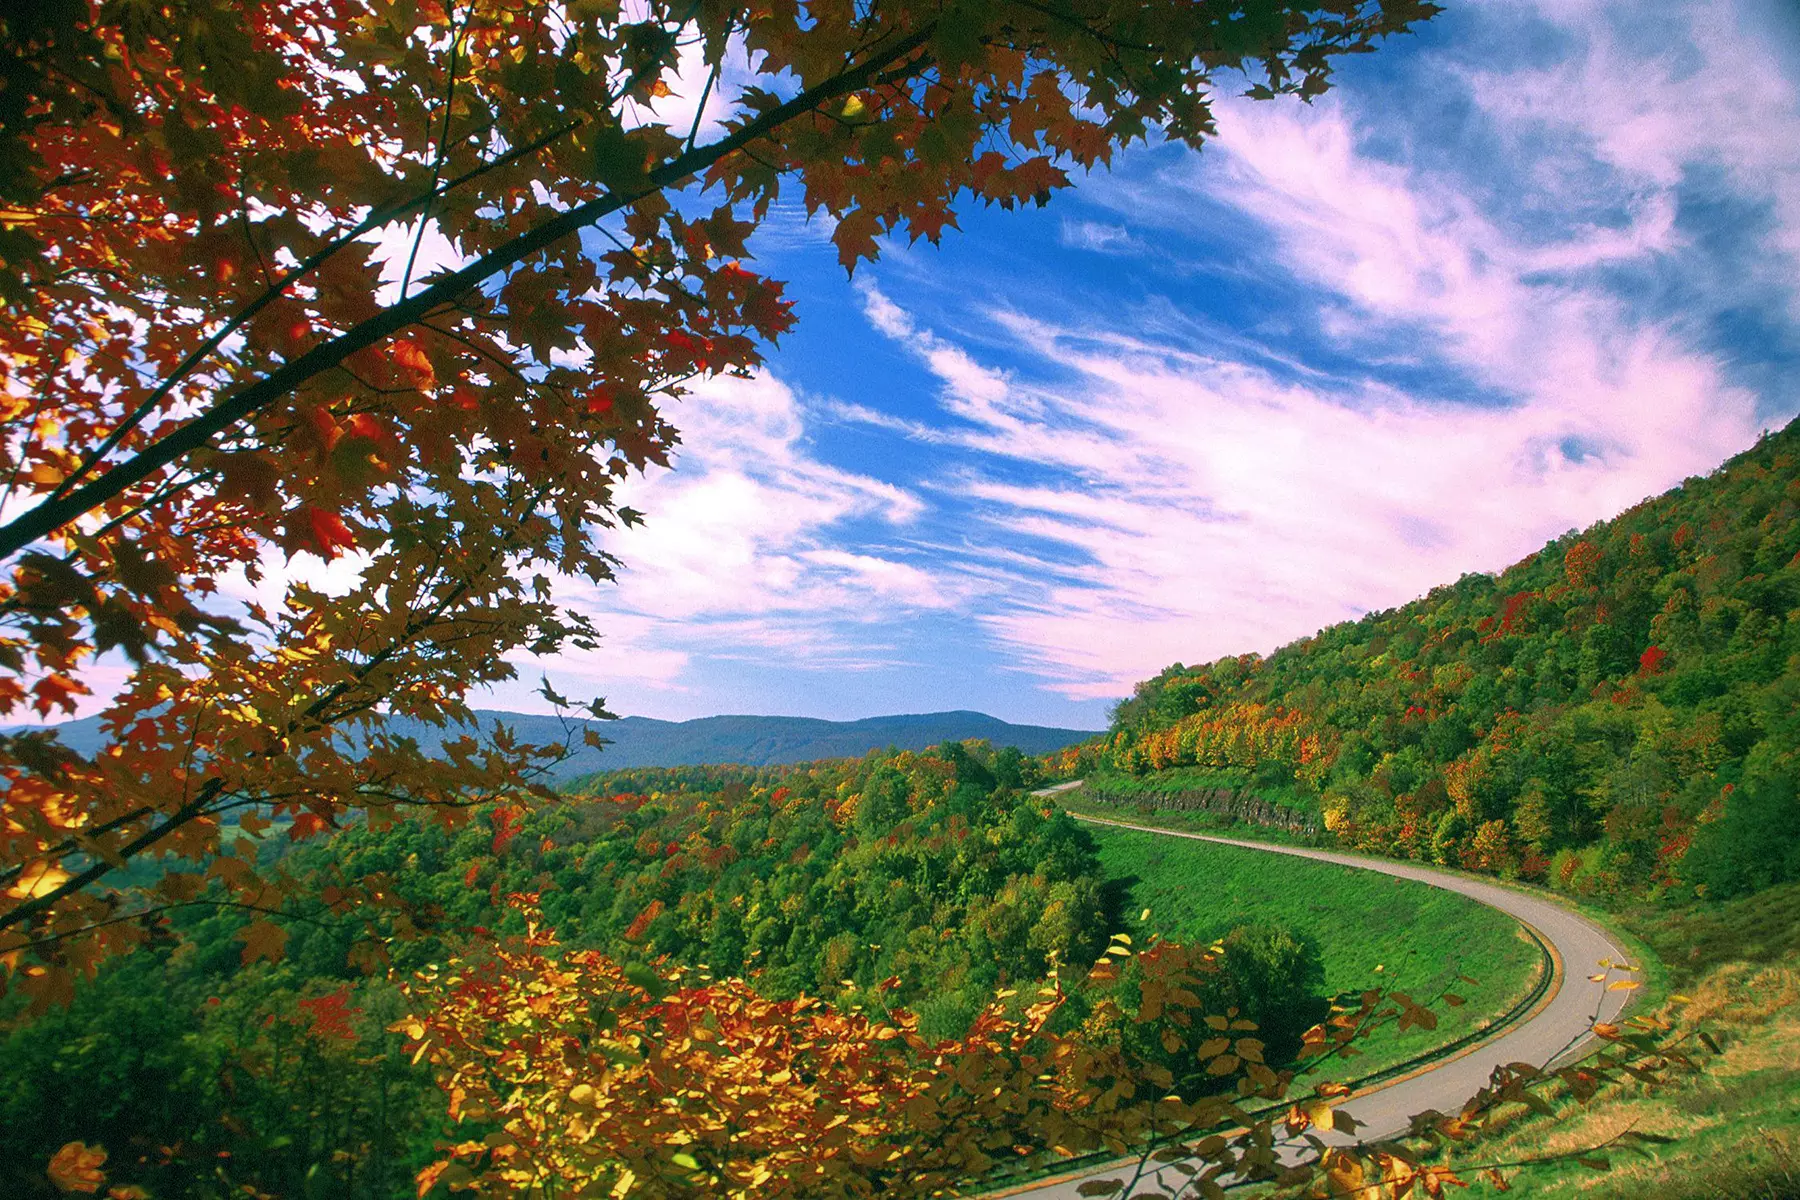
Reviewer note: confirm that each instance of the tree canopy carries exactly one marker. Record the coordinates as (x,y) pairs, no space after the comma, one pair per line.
(276,469)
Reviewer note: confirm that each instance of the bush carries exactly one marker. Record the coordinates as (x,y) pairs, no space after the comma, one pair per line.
(1275,977)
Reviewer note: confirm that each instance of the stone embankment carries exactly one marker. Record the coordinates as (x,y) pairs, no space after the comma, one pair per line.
(1238,804)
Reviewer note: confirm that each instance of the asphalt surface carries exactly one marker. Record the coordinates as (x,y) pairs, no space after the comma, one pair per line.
(1559,1028)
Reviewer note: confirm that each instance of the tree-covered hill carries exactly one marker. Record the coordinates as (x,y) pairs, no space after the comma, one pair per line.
(934,869)
(908,880)
(1619,710)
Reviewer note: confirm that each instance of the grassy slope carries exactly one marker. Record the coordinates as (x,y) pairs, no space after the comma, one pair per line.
(1737,1123)
(1417,935)
(1761,928)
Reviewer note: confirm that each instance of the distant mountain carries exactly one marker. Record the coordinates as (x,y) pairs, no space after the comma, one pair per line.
(752,741)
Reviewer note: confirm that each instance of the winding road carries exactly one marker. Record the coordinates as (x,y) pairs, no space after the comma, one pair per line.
(1557,1028)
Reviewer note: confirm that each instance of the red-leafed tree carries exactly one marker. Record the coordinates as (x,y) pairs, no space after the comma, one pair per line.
(211,372)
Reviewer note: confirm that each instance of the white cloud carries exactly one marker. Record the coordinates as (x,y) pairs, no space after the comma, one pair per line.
(1712,90)
(1098,237)
(1222,502)
(743,551)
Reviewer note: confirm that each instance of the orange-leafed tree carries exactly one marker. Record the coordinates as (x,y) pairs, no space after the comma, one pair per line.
(572,1075)
(331,326)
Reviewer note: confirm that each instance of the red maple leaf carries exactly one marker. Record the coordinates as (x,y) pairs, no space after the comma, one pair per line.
(330,535)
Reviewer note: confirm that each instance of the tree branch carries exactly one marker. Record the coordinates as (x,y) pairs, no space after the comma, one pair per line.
(56,511)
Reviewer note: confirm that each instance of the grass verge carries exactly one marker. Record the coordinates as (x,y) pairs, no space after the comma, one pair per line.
(1694,938)
(1372,930)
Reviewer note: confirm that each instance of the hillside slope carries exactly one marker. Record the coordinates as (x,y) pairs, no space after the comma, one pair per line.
(1619,710)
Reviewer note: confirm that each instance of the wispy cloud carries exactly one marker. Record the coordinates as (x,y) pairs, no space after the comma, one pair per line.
(1218,499)
(742,553)
(1099,237)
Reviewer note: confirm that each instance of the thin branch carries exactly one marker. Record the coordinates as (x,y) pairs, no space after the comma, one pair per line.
(176,906)
(56,511)
(443,150)
(375,220)
(187,813)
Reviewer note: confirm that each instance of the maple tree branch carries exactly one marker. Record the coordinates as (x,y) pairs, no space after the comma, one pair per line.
(443,152)
(58,510)
(175,906)
(1112,43)
(71,845)
(189,812)
(712,77)
(189,364)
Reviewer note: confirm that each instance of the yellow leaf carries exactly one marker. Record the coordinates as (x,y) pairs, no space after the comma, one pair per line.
(39,879)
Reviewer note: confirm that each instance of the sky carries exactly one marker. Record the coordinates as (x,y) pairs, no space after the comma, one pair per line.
(1512,275)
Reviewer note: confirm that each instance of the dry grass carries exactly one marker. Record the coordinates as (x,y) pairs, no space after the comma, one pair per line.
(1737,1121)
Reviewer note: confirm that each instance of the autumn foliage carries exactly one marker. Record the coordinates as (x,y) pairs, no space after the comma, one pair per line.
(594,1079)
(331,327)
(602,1079)
(1585,718)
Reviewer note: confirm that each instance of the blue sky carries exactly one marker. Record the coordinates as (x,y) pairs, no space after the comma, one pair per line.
(1511,276)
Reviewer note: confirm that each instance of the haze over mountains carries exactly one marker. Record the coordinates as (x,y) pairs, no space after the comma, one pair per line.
(749,740)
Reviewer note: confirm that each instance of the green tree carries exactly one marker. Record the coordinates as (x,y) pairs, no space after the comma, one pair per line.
(1753,845)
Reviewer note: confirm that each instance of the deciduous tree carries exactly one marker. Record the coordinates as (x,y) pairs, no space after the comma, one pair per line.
(331,326)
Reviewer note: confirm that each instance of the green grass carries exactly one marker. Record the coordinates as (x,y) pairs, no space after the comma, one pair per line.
(1372,930)
(1694,938)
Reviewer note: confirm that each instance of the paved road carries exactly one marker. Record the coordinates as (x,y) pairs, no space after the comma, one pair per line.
(1557,1029)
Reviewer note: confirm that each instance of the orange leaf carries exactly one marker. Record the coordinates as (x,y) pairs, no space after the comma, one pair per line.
(76,1168)
(412,359)
(263,939)
(306,824)
(362,425)
(330,535)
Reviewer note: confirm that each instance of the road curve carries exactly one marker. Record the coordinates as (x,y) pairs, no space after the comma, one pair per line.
(1557,1029)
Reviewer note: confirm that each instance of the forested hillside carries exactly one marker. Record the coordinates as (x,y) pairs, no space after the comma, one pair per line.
(921,882)
(935,868)
(1619,711)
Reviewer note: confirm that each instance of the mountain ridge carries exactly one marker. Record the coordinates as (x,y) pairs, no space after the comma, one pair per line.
(745,739)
